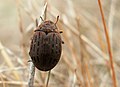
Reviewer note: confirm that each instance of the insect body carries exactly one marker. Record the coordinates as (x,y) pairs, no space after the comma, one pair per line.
(46,46)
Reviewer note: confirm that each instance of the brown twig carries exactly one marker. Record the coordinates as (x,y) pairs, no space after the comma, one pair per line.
(109,46)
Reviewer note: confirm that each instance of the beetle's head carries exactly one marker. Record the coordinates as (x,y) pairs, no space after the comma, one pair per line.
(47,26)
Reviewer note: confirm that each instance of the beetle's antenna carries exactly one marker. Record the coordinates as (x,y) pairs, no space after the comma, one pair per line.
(41,18)
(57,19)
(36,22)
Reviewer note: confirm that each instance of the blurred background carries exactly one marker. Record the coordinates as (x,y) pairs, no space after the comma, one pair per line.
(84,61)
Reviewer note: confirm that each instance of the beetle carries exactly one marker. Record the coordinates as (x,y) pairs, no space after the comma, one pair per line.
(46,45)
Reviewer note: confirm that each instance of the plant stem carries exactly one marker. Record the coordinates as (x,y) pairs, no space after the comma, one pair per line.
(109,45)
(48,78)
(31,76)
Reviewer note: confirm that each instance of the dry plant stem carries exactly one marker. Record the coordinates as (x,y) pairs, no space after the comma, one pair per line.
(24,49)
(44,14)
(19,83)
(32,69)
(20,20)
(111,18)
(45,11)
(74,55)
(8,61)
(85,82)
(71,67)
(29,14)
(109,46)
(84,65)
(74,79)
(84,38)
(101,42)
(102,46)
(48,78)
(32,17)
(104,80)
(31,76)
(60,76)
(1,77)
(73,51)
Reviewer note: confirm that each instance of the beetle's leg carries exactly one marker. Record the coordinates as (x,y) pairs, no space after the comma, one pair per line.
(62,42)
(41,18)
(57,19)
(60,31)
(36,22)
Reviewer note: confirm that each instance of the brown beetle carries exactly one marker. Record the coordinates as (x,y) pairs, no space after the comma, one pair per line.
(46,46)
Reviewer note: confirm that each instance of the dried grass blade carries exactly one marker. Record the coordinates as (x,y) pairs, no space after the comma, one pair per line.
(109,46)
(8,61)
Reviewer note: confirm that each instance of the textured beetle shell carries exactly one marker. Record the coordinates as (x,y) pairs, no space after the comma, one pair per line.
(45,49)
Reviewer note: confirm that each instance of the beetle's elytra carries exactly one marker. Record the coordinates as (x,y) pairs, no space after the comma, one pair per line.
(46,46)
